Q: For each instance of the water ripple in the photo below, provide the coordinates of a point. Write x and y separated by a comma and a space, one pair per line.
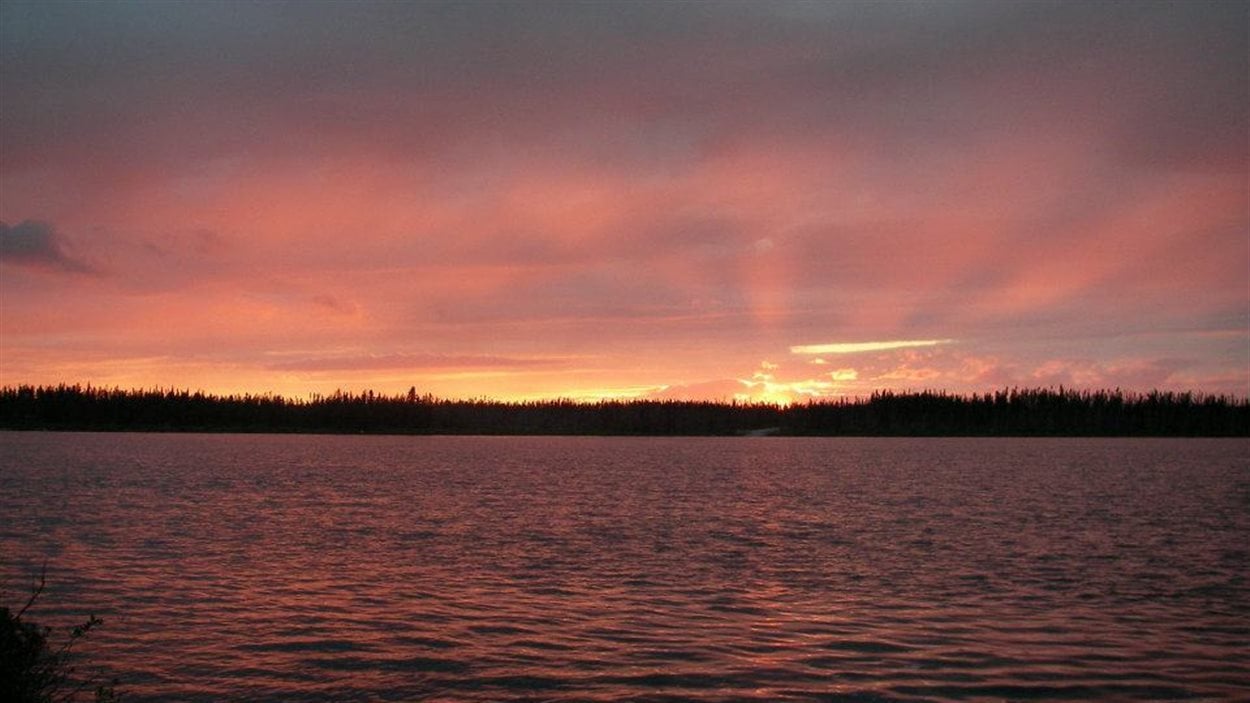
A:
577, 569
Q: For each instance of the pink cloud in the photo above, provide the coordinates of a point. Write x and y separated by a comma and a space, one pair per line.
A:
407, 361
484, 182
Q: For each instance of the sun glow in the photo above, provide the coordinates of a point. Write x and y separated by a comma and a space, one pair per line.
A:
596, 395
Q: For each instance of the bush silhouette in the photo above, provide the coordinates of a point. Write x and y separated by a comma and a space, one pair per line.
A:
32, 670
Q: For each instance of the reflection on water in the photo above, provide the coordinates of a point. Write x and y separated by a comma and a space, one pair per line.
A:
400, 568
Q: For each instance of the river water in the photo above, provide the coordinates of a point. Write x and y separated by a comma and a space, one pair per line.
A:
346, 568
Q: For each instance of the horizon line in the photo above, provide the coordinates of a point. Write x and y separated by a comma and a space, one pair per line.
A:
414, 394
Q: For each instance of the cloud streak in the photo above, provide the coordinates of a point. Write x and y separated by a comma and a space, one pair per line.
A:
862, 347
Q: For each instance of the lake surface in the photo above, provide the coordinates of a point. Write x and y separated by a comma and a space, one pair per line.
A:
269, 567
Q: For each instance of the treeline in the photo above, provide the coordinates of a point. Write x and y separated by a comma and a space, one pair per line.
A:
1011, 412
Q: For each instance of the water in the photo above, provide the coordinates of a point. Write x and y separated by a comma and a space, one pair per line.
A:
559, 569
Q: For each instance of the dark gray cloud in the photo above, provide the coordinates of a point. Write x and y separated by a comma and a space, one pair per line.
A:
36, 245
103, 81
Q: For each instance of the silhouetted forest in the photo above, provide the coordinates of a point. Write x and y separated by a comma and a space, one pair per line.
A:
1010, 412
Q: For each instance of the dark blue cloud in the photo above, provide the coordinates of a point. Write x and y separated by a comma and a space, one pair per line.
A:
36, 245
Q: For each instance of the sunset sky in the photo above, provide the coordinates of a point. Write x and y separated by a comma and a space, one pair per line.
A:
762, 200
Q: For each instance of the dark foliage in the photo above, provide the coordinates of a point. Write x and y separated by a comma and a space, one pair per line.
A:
1013, 412
32, 671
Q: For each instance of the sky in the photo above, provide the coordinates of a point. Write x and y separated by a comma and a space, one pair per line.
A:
773, 201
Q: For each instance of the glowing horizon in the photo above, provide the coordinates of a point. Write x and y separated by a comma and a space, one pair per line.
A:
704, 201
